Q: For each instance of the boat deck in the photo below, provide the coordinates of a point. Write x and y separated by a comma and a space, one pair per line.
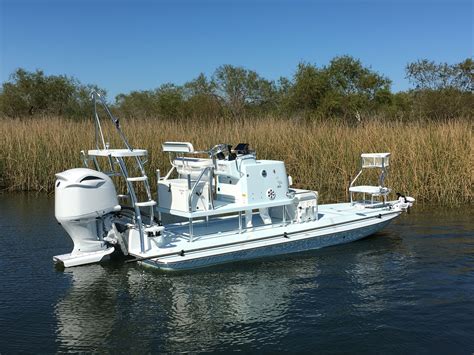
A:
222, 231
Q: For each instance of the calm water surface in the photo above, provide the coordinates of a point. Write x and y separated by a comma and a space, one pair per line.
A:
409, 289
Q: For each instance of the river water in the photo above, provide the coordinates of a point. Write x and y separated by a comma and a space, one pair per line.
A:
408, 289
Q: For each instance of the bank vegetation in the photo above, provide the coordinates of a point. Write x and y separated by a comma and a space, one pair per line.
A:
318, 121
430, 161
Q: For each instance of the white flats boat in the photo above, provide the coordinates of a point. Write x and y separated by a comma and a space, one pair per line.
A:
231, 205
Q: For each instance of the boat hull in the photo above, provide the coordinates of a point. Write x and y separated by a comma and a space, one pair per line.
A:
311, 240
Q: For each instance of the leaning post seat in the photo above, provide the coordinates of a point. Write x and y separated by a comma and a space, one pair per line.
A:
372, 161
191, 166
183, 163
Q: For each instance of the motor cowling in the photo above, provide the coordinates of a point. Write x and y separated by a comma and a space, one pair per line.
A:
82, 197
82, 193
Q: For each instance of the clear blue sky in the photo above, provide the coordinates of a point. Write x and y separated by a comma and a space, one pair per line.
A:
135, 45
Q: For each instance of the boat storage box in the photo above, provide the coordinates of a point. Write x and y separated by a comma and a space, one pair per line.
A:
173, 194
303, 209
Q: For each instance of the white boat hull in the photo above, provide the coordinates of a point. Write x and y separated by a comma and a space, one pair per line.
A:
278, 242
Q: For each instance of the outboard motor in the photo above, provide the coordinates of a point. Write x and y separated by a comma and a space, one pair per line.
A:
83, 197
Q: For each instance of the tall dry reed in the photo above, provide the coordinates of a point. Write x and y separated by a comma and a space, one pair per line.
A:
432, 162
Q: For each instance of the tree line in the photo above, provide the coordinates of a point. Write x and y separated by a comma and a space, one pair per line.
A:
344, 89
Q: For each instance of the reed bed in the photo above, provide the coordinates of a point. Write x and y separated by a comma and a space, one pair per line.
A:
430, 161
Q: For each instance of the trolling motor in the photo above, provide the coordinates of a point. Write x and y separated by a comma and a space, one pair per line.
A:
404, 202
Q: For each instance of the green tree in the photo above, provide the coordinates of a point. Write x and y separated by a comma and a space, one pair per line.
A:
240, 88
358, 88
464, 75
170, 101
310, 85
34, 93
442, 91
344, 88
201, 98
428, 75
200, 86
348, 76
141, 104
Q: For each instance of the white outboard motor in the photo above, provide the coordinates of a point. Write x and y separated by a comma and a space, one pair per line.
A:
82, 198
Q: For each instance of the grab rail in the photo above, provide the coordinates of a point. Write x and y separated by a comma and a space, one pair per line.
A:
196, 184
97, 97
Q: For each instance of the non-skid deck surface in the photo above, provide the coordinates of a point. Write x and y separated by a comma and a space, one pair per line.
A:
225, 229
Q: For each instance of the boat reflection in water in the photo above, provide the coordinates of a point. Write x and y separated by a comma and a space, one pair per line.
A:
131, 308
247, 306
86, 315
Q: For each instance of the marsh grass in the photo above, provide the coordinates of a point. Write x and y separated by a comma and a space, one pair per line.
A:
430, 161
